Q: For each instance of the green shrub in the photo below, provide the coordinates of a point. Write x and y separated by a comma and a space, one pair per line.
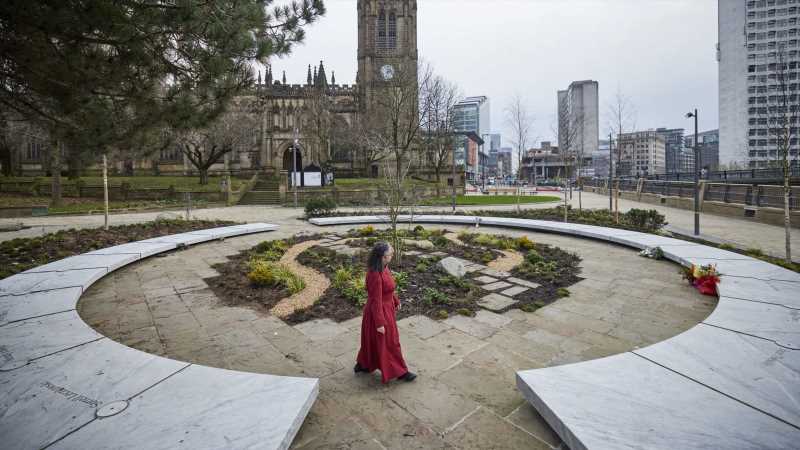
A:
528, 308
533, 257
422, 266
368, 230
442, 314
524, 243
755, 252
318, 207
648, 221
401, 279
371, 241
439, 240
562, 292
465, 312
268, 273
352, 284
540, 303
728, 247
431, 296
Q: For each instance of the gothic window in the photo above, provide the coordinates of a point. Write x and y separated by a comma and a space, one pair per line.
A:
392, 31
171, 154
34, 151
382, 30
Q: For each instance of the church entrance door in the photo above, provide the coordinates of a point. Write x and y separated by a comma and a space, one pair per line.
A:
289, 167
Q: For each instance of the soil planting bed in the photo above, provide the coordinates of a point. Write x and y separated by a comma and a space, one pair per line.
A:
19, 255
423, 287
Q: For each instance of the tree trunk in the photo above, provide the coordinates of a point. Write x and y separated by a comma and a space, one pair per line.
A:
55, 171
787, 215
566, 208
203, 176
439, 181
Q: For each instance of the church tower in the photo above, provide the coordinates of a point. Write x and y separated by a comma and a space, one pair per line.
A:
387, 45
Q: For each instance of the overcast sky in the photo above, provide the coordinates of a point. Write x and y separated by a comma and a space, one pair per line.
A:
660, 53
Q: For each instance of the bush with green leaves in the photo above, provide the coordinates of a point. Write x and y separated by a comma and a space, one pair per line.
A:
352, 284
271, 274
524, 243
320, 207
432, 296
270, 250
400, 279
648, 221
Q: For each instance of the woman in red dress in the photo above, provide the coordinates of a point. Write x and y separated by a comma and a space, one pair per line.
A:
380, 340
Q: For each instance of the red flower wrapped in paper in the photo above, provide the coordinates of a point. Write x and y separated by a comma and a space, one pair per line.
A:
704, 278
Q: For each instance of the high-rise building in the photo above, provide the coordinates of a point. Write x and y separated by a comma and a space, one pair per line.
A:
471, 114
505, 162
581, 117
673, 140
754, 37
642, 153
709, 150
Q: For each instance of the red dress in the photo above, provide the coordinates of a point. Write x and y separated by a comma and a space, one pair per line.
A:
381, 351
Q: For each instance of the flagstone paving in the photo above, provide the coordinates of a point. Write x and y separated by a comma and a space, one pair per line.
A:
465, 397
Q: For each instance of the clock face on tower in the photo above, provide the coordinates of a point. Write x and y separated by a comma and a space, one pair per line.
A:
387, 72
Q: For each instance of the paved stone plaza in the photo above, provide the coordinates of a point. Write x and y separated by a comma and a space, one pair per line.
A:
465, 396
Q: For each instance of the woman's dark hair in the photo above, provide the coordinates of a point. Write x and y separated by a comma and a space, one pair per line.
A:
375, 261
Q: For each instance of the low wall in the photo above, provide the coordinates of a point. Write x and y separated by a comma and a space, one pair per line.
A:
116, 192
762, 214
361, 197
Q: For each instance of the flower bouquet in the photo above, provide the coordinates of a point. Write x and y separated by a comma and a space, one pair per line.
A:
704, 278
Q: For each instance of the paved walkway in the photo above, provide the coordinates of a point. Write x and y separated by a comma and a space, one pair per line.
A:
742, 232
465, 396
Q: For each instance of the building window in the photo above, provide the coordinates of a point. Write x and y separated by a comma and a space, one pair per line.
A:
382, 30
392, 31
34, 151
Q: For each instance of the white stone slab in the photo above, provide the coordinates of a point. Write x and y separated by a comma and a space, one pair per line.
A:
525, 283
485, 279
51, 397
752, 370
19, 307
767, 321
236, 230
182, 239
496, 286
625, 401
496, 273
751, 268
206, 408
29, 339
143, 249
108, 262
516, 290
26, 283
776, 292
683, 253
496, 302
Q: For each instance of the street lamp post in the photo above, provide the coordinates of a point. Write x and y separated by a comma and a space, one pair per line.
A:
610, 172
696, 176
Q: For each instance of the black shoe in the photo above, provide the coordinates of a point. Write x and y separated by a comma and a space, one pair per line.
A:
408, 377
359, 369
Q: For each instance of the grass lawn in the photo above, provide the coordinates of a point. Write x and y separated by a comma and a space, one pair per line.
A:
468, 200
364, 183
181, 183
85, 205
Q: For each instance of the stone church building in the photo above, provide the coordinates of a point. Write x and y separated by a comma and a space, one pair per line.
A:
387, 44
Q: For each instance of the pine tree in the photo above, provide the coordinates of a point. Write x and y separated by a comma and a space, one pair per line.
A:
96, 72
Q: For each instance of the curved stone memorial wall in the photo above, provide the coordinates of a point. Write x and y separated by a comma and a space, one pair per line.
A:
732, 382
63, 385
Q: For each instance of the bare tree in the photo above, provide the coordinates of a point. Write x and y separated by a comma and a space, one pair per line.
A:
570, 131
397, 116
521, 123
782, 121
318, 118
621, 119
208, 146
438, 98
